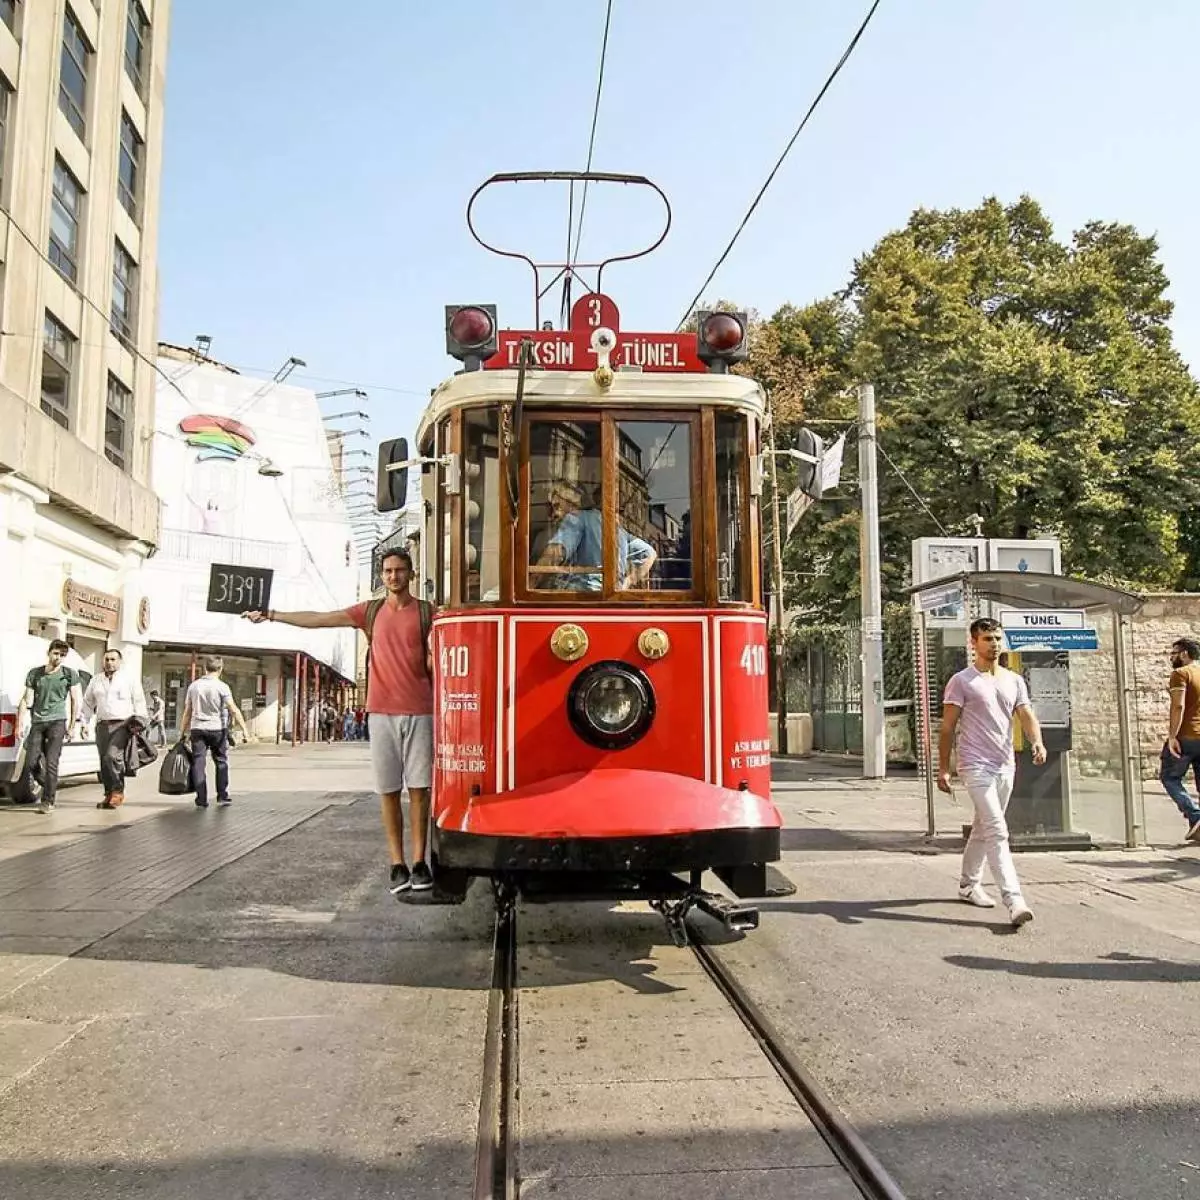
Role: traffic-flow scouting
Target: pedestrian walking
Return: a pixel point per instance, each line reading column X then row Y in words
column 51, row 702
column 1181, row 750
column 348, row 725
column 206, row 710
column 158, row 718
column 979, row 706
column 399, row 706
column 114, row 697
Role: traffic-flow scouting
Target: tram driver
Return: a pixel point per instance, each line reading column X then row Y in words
column 578, row 542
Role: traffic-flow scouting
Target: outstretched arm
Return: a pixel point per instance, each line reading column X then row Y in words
column 339, row 618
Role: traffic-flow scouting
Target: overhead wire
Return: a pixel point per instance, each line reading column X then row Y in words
column 573, row 255
column 812, row 108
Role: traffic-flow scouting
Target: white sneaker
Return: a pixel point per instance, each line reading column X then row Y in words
column 1019, row 913
column 976, row 896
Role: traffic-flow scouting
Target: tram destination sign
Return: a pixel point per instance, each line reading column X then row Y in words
column 571, row 349
column 238, row 589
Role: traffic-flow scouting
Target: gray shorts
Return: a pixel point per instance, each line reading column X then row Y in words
column 401, row 752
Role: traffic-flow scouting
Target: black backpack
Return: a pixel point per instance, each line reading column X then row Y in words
column 424, row 608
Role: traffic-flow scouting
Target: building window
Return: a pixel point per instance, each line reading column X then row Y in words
column 73, row 75
column 8, row 13
column 129, row 169
column 137, row 26
column 124, row 295
column 58, row 353
column 116, row 422
column 66, row 207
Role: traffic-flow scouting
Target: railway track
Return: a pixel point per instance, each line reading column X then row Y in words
column 497, row 1142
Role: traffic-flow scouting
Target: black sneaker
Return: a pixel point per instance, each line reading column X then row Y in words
column 224, row 801
column 201, row 803
column 422, row 878
column 401, row 880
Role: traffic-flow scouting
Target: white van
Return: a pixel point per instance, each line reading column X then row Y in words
column 19, row 654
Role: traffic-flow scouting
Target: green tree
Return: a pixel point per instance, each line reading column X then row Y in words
column 1024, row 384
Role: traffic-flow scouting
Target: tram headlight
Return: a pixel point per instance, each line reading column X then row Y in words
column 471, row 333
column 611, row 705
column 721, row 339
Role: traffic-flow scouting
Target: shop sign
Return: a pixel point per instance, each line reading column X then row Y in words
column 89, row 606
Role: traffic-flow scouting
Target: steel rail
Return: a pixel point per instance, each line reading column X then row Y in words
column 495, row 1157
column 868, row 1173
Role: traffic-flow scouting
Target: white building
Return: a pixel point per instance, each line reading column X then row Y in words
column 243, row 469
column 81, row 126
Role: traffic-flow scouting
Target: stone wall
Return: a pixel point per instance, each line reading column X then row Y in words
column 1163, row 618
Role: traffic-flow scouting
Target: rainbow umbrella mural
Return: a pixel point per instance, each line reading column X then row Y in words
column 217, row 438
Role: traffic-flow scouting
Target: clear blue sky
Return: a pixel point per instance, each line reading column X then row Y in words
column 319, row 158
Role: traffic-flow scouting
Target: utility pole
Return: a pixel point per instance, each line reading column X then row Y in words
column 777, row 574
column 874, row 739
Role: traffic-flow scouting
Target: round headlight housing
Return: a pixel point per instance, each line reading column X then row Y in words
column 611, row 705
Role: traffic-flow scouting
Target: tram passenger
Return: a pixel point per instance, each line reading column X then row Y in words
column 578, row 541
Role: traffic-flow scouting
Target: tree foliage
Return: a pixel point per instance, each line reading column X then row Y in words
column 1024, row 385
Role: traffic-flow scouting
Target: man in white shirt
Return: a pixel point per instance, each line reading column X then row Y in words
column 114, row 697
column 204, row 724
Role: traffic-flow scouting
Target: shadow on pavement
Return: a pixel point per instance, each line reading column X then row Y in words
column 857, row 912
column 1116, row 967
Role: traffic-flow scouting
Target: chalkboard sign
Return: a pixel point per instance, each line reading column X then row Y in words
column 238, row 589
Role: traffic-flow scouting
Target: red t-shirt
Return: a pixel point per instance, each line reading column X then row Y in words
column 398, row 684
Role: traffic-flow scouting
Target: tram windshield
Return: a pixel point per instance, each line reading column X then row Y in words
column 613, row 504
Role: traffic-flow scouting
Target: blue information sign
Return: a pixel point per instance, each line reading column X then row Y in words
column 1052, row 639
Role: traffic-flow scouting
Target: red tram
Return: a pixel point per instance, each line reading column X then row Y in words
column 591, row 539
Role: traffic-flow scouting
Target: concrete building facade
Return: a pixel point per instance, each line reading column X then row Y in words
column 243, row 469
column 81, row 125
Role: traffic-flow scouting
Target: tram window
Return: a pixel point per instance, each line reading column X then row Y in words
column 481, row 512
column 565, row 522
column 732, row 533
column 654, row 505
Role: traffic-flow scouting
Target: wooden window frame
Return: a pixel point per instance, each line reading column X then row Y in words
column 608, row 420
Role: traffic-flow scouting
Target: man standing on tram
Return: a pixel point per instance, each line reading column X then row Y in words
column 578, row 543
column 399, row 706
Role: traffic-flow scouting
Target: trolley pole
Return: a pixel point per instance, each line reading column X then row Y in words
column 874, row 739
column 781, row 706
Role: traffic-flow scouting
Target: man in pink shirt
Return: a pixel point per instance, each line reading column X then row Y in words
column 399, row 706
column 979, row 706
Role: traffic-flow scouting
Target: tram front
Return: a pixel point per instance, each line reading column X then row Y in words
column 591, row 540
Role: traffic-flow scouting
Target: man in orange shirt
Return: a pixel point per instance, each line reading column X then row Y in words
column 399, row 706
column 1182, row 749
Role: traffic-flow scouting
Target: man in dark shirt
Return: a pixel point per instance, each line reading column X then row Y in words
column 1181, row 752
column 52, row 699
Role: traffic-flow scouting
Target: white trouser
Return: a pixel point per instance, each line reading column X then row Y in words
column 990, row 792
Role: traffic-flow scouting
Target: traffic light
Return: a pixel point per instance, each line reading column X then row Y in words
column 810, row 449
column 391, row 487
